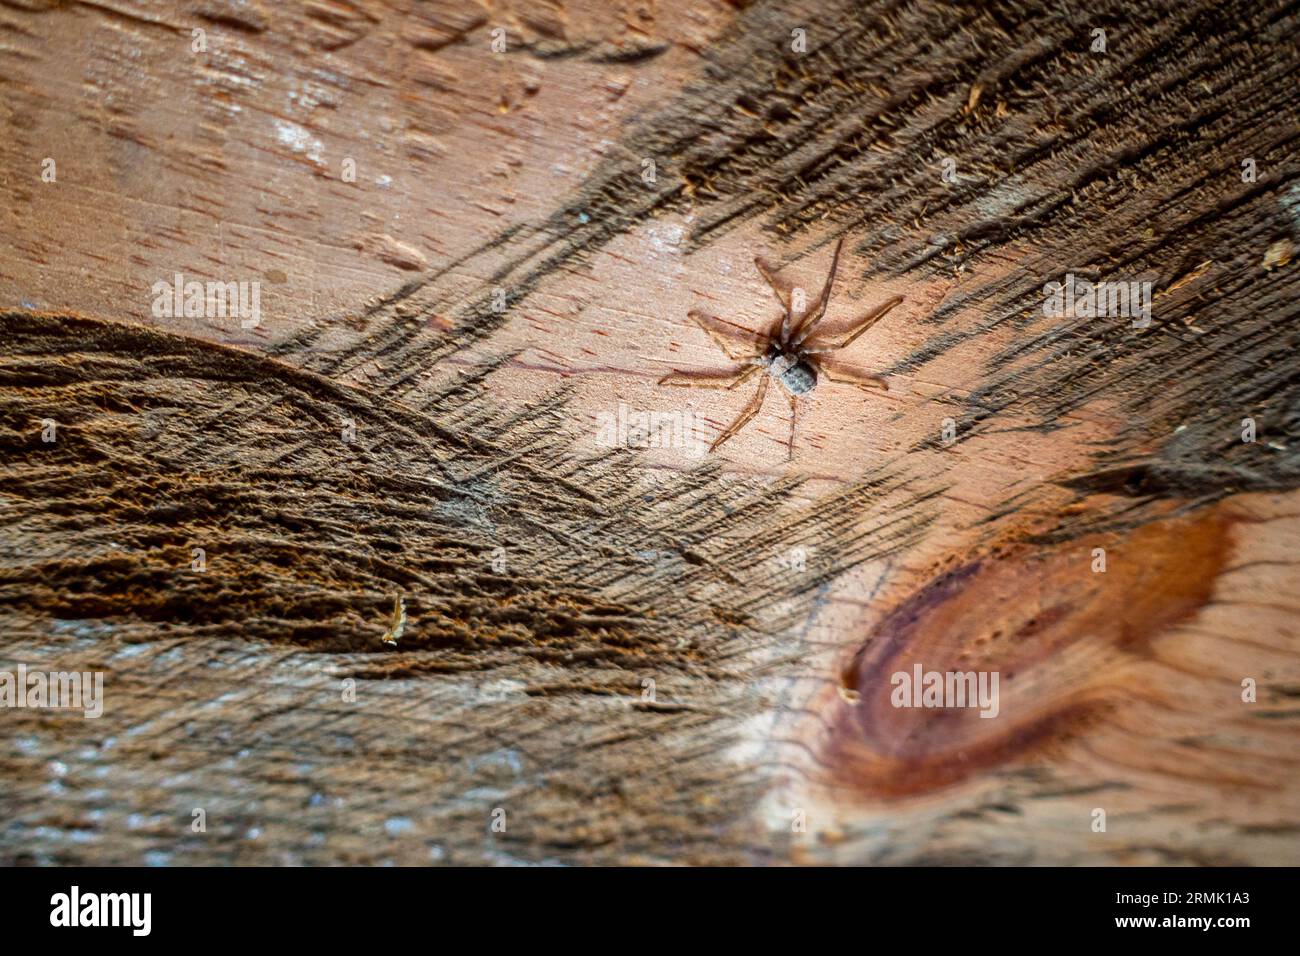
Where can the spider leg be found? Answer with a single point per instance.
(804, 327)
(794, 420)
(850, 376)
(705, 321)
(853, 331)
(727, 380)
(746, 414)
(782, 295)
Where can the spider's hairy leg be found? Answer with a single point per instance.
(782, 296)
(713, 326)
(746, 414)
(808, 321)
(853, 331)
(794, 420)
(727, 380)
(850, 376)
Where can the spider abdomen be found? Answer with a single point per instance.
(799, 378)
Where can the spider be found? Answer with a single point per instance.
(784, 354)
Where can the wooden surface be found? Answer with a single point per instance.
(768, 589)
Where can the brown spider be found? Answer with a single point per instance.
(782, 354)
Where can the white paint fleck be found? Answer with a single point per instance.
(299, 140)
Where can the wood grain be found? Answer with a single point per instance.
(648, 654)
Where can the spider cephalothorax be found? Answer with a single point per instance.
(787, 353)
